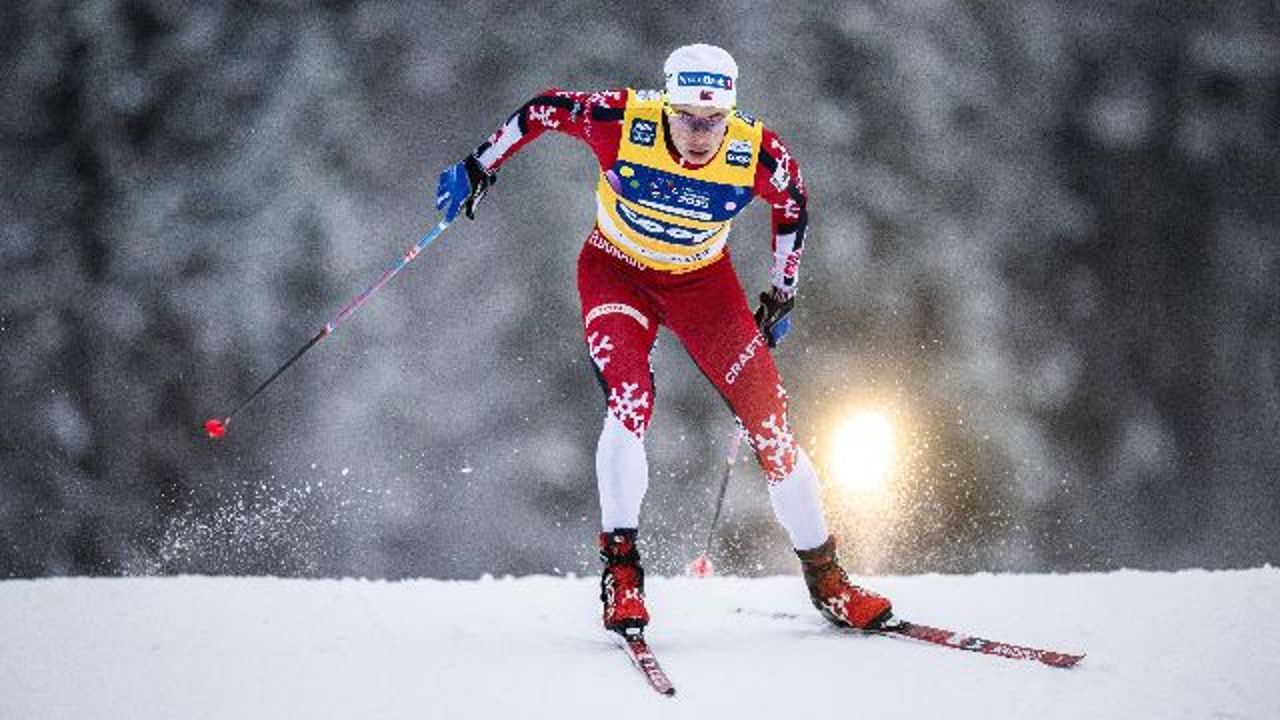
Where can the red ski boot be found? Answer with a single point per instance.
(622, 583)
(839, 600)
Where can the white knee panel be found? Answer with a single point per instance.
(797, 503)
(622, 476)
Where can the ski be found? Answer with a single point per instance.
(895, 627)
(961, 641)
(646, 662)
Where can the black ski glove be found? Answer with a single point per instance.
(772, 315)
(462, 186)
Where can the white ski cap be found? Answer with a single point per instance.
(701, 75)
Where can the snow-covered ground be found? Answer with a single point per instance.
(1191, 644)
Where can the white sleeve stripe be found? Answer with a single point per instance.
(786, 244)
(508, 136)
(785, 257)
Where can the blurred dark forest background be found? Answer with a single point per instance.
(1044, 239)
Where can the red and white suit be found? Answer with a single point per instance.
(657, 256)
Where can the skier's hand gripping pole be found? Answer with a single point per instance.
(462, 186)
(773, 315)
(217, 427)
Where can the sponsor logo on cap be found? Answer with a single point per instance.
(704, 79)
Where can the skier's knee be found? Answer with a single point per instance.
(632, 405)
(775, 447)
(626, 379)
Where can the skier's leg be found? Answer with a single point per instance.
(620, 328)
(622, 475)
(712, 320)
(797, 503)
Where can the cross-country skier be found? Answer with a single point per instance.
(675, 167)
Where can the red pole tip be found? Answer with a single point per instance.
(215, 427)
(701, 567)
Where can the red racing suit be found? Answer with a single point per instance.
(657, 254)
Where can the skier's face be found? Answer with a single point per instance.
(697, 131)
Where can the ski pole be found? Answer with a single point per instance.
(701, 567)
(218, 427)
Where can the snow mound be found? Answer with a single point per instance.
(1192, 644)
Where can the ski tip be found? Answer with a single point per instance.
(1061, 660)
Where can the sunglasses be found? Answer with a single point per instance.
(693, 123)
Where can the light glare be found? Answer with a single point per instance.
(863, 452)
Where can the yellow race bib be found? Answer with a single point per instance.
(666, 216)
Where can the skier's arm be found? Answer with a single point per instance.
(778, 182)
(593, 117)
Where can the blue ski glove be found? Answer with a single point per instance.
(772, 317)
(462, 186)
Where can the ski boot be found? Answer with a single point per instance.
(839, 600)
(622, 583)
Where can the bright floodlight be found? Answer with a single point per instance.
(862, 452)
